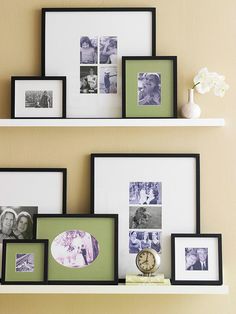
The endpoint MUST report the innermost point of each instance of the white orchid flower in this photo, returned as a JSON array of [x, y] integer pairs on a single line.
[[204, 81], [220, 88]]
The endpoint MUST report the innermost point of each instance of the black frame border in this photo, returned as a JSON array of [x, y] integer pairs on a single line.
[[153, 58], [34, 78], [115, 252], [4, 281], [146, 155], [196, 282], [64, 179]]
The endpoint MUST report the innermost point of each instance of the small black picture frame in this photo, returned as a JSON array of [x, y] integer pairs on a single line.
[[25, 262], [41, 97], [196, 259], [67, 234], [149, 87]]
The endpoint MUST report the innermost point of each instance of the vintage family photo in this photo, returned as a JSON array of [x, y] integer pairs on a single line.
[[88, 80], [145, 217], [39, 99], [108, 50], [149, 89], [196, 259], [17, 222], [88, 50], [24, 263], [75, 249], [108, 80], [139, 240], [145, 193]]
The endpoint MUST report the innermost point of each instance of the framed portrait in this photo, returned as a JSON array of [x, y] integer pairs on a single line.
[[86, 45], [196, 259], [154, 195], [25, 192], [24, 262], [83, 249], [149, 87], [37, 97]]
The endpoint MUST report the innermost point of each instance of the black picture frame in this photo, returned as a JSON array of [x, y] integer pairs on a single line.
[[5, 281], [173, 105], [61, 170], [114, 217], [94, 156], [175, 281], [14, 79], [45, 11]]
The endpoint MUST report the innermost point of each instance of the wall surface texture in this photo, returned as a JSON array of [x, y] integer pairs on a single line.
[[201, 33]]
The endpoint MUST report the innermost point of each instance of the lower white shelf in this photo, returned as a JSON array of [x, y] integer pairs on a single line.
[[120, 289]]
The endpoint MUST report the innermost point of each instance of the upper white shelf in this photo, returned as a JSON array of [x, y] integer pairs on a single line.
[[112, 122], [120, 289]]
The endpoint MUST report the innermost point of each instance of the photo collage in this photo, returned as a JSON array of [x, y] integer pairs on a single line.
[[145, 216], [98, 65]]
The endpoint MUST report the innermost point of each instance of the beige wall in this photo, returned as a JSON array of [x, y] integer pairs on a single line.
[[201, 33]]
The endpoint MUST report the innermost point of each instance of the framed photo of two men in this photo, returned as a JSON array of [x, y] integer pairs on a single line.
[[86, 45]]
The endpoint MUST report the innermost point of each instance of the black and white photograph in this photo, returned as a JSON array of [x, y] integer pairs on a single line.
[[145, 193], [196, 259], [108, 80], [88, 50], [25, 263], [88, 80], [17, 222], [75, 249], [149, 89], [108, 50], [39, 99], [139, 240], [145, 217]]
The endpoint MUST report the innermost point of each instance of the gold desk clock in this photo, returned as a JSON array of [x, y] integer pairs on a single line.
[[148, 261]]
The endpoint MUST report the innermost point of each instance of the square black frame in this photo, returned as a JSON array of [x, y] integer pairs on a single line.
[[148, 58], [45, 274], [146, 155], [34, 78], [64, 183], [84, 282], [196, 282]]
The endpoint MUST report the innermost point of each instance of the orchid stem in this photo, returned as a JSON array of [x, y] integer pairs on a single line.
[[195, 85]]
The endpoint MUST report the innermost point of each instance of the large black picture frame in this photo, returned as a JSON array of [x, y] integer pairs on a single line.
[[110, 177], [86, 107]]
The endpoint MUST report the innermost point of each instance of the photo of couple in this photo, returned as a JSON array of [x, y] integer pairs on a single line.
[[196, 259], [145, 193], [16, 222], [75, 249]]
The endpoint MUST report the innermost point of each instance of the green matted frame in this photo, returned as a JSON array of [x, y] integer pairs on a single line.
[[38, 275], [103, 270], [166, 67]]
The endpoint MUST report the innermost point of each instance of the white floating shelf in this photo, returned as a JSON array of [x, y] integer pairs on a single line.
[[120, 289], [112, 122]]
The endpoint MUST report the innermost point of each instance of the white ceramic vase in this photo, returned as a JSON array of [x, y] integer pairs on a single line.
[[191, 110]]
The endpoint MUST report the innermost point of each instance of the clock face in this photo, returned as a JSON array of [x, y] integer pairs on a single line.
[[146, 261]]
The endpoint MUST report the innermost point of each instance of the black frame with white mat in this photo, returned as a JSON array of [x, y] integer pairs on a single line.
[[196, 259], [38, 97]]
